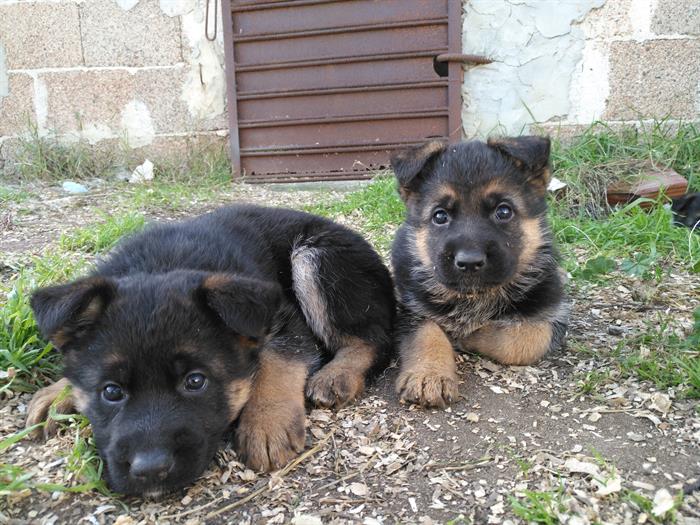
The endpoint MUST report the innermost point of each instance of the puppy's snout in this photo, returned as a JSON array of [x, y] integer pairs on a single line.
[[470, 260], [151, 465]]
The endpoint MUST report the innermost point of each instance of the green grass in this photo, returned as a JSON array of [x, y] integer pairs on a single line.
[[663, 357], [45, 157], [26, 360], [377, 206], [645, 505], [16, 195], [83, 461], [627, 236], [590, 382], [100, 237], [602, 154], [539, 507]]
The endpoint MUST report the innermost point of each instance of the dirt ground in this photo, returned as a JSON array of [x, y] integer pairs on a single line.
[[515, 429]]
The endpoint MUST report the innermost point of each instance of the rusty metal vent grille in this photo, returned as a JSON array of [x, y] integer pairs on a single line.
[[326, 89]]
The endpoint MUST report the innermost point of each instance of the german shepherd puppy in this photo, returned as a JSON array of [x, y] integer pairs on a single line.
[[234, 316], [474, 263]]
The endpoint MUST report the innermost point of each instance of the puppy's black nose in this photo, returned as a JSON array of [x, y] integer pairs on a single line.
[[470, 260], [151, 465]]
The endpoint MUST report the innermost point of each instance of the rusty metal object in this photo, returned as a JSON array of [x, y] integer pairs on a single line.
[[327, 89], [465, 59], [206, 20], [647, 184]]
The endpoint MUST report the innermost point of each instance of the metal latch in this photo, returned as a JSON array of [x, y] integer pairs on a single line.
[[465, 59]]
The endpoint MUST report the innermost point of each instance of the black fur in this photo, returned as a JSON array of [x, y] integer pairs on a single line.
[[686, 211], [206, 295], [469, 181]]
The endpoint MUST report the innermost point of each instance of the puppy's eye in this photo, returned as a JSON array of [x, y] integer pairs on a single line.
[[504, 212], [112, 393], [440, 216], [195, 382]]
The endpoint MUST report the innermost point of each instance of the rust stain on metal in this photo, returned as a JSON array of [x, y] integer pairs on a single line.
[[327, 89]]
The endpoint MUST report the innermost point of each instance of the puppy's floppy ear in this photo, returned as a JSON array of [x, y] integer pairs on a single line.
[[530, 154], [247, 306], [66, 312], [409, 163]]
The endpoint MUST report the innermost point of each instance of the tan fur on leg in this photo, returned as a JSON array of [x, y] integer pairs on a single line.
[[343, 379], [271, 428], [428, 372], [42, 400], [513, 343]]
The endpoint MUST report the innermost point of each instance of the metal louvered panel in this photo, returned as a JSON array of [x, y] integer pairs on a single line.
[[326, 89]]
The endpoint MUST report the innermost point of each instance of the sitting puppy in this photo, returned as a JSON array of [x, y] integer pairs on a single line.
[[473, 262], [231, 316]]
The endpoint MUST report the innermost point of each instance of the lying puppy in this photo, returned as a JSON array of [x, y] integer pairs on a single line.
[[473, 262], [231, 316]]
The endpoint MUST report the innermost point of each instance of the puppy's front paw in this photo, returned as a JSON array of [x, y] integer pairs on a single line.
[[331, 387], [40, 404], [428, 388], [269, 437]]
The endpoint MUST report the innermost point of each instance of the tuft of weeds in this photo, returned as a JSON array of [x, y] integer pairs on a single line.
[[15, 195], [645, 505], [201, 174], [100, 237], [540, 507], [663, 357], [643, 240], [45, 157], [201, 165], [26, 360], [591, 381], [83, 461], [601, 154]]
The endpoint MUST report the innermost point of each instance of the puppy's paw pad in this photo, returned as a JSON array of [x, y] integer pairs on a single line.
[[266, 443], [333, 389], [428, 389]]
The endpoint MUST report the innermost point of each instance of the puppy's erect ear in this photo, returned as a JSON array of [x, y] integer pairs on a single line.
[[247, 306], [66, 312], [530, 154], [409, 163]]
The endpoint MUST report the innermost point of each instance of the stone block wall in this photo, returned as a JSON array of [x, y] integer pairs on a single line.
[[137, 72], [565, 64]]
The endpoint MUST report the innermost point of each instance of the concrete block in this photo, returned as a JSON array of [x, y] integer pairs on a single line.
[[37, 35], [677, 16], [135, 106], [87, 103], [17, 107], [653, 79], [161, 90], [140, 36]]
